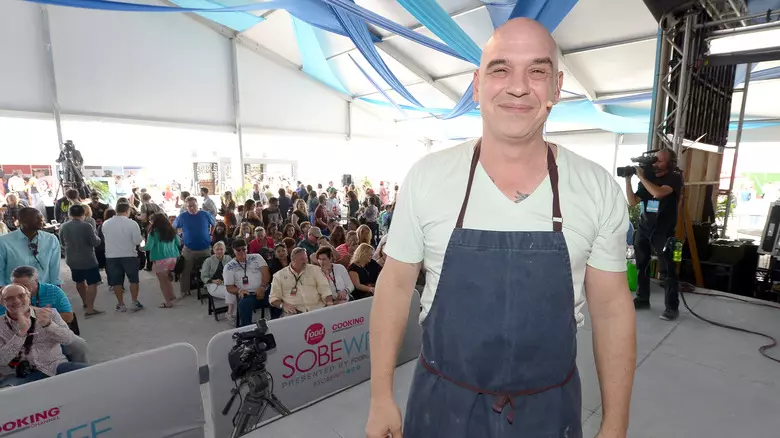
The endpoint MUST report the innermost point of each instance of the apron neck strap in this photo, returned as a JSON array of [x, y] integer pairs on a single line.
[[552, 169]]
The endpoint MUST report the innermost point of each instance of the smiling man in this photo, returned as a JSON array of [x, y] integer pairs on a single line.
[[533, 228]]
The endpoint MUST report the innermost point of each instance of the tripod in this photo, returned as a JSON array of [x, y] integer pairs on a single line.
[[253, 406]]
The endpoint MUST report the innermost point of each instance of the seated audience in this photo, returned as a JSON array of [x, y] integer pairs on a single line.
[[300, 215], [353, 225], [280, 259], [289, 243], [261, 242], [300, 287], [361, 273], [31, 339], [290, 231], [49, 295], [365, 235], [311, 244], [247, 277], [304, 230], [220, 233], [163, 246], [212, 274], [338, 236], [338, 278], [346, 249], [79, 239]]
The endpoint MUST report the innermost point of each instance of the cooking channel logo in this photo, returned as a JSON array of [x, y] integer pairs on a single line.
[[29, 421], [324, 361]]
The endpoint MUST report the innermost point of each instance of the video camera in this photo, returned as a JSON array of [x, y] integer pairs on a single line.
[[247, 359], [645, 161], [249, 351]]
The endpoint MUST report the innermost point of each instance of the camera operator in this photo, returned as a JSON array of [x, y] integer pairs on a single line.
[[659, 194]]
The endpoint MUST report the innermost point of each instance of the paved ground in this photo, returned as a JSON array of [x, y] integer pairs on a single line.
[[693, 380]]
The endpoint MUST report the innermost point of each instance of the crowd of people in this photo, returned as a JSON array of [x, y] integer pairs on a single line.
[[292, 252]]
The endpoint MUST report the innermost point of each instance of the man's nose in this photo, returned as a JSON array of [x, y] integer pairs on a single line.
[[517, 84]]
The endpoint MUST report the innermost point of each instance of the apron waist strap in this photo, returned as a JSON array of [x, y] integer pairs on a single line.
[[501, 399]]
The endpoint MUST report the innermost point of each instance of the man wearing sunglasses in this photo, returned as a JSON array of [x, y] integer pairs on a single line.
[[28, 246], [246, 276]]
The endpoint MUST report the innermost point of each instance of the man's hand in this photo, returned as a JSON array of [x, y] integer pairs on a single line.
[[43, 315], [640, 172], [384, 419], [343, 294], [289, 308], [260, 292], [23, 322], [217, 282], [242, 293]]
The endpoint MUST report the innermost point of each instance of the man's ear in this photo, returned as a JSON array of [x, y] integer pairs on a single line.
[[558, 87], [475, 97]]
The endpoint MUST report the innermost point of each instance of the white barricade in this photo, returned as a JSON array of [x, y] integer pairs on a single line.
[[317, 354], [153, 394]]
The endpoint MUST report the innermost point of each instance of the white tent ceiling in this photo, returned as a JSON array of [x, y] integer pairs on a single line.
[[608, 49]]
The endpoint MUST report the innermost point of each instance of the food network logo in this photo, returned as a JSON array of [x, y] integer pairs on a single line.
[[314, 334], [28, 421], [344, 325]]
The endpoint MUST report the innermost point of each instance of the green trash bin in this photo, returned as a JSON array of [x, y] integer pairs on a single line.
[[631, 273]]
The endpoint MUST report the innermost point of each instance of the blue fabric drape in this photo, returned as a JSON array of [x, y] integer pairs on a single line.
[[314, 62], [361, 38], [438, 21], [499, 10], [238, 21], [377, 87]]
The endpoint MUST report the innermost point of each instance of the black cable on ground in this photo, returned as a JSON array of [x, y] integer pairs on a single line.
[[687, 288]]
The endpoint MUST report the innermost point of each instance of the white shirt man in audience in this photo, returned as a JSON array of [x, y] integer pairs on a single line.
[[491, 341], [246, 276], [300, 287], [122, 236], [31, 339]]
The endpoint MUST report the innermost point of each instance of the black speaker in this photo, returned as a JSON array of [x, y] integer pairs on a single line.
[[346, 180], [769, 238]]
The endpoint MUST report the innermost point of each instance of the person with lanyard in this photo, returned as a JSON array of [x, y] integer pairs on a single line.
[[29, 246], [300, 287], [246, 277], [499, 351]]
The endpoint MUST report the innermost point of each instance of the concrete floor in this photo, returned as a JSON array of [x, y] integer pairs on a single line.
[[692, 380]]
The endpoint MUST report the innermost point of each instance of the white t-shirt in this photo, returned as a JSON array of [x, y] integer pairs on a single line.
[[121, 235], [595, 214], [233, 272]]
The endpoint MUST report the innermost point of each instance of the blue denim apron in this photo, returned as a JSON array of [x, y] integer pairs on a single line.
[[499, 343]]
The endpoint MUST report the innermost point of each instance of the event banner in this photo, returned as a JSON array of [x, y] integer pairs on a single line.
[[317, 354], [153, 394]]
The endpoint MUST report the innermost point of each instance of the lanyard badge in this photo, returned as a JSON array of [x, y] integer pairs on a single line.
[[297, 278]]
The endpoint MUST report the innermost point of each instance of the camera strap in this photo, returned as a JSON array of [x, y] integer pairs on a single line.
[[26, 347]]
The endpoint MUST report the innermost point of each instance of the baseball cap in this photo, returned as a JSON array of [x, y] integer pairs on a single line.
[[315, 231]]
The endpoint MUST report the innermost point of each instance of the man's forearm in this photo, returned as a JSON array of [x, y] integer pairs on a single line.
[[630, 195], [614, 348], [389, 314]]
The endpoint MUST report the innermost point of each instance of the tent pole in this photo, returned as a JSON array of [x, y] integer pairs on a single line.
[[237, 112], [736, 149], [55, 103]]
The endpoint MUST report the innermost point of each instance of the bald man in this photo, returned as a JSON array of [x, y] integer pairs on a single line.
[[532, 229]]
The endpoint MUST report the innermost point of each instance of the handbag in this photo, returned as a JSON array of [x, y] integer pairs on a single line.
[[179, 268]]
